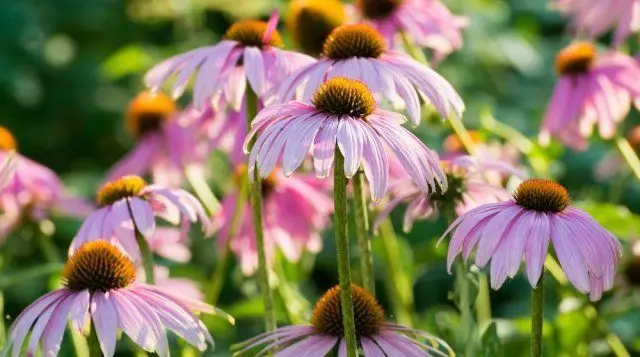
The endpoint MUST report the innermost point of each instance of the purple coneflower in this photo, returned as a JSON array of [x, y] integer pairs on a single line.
[[469, 186], [166, 140], [343, 113], [250, 52], [100, 293], [310, 22], [594, 18], [31, 191], [540, 211], [296, 210], [359, 52], [429, 23], [591, 90], [129, 205], [376, 337]]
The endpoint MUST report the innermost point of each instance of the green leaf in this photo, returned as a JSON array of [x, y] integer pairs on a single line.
[[491, 344], [130, 59]]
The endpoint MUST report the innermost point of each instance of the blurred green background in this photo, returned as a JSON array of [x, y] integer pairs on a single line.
[[68, 69]]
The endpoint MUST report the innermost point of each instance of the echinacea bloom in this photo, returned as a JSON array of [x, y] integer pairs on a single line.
[[376, 336], [129, 205], [296, 210], [469, 187], [100, 289], [166, 140], [311, 21], [359, 52], [594, 18], [250, 52], [429, 23], [540, 211], [31, 191], [613, 162], [343, 114], [592, 90]]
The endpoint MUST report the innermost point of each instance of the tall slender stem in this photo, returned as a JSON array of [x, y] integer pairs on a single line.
[[147, 257], [94, 344], [464, 295], [629, 155], [217, 279], [537, 301], [414, 51], [342, 246], [398, 284], [255, 193], [362, 233], [483, 301]]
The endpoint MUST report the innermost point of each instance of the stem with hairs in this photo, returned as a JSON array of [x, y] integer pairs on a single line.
[[362, 233]]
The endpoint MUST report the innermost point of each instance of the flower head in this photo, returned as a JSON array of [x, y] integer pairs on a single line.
[[311, 22], [249, 53], [470, 184], [594, 18], [129, 205], [167, 140], [540, 211], [100, 288], [296, 210], [376, 337], [343, 115], [591, 90], [30, 190], [428, 23], [358, 51]]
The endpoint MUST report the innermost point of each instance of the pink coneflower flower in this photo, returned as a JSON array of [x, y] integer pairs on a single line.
[[594, 18], [31, 191], [99, 287], [325, 333], [591, 90], [540, 211], [249, 53], [429, 23], [343, 115], [310, 22], [469, 187], [130, 205], [296, 210], [359, 52], [170, 243], [166, 140], [226, 131]]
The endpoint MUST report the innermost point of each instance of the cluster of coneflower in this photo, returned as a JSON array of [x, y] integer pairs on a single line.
[[288, 121]]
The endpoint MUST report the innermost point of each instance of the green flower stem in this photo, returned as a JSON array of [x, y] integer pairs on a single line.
[[3, 333], [362, 233], [629, 155], [255, 193], [147, 257], [398, 283], [483, 301], [342, 246], [463, 288], [537, 302], [47, 248], [217, 279], [197, 180], [414, 51], [94, 344]]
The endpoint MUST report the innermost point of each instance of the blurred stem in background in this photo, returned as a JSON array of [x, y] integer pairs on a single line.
[[413, 50], [196, 178], [220, 272], [255, 193], [465, 304], [342, 246], [94, 344], [537, 303], [43, 235], [629, 154], [362, 233], [399, 286]]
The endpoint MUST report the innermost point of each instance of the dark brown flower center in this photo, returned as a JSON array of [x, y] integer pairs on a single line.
[[359, 40], [7, 140], [457, 186], [327, 314], [126, 186], [147, 112], [312, 21], [542, 195], [344, 96], [98, 266], [251, 33], [576, 58], [377, 9]]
